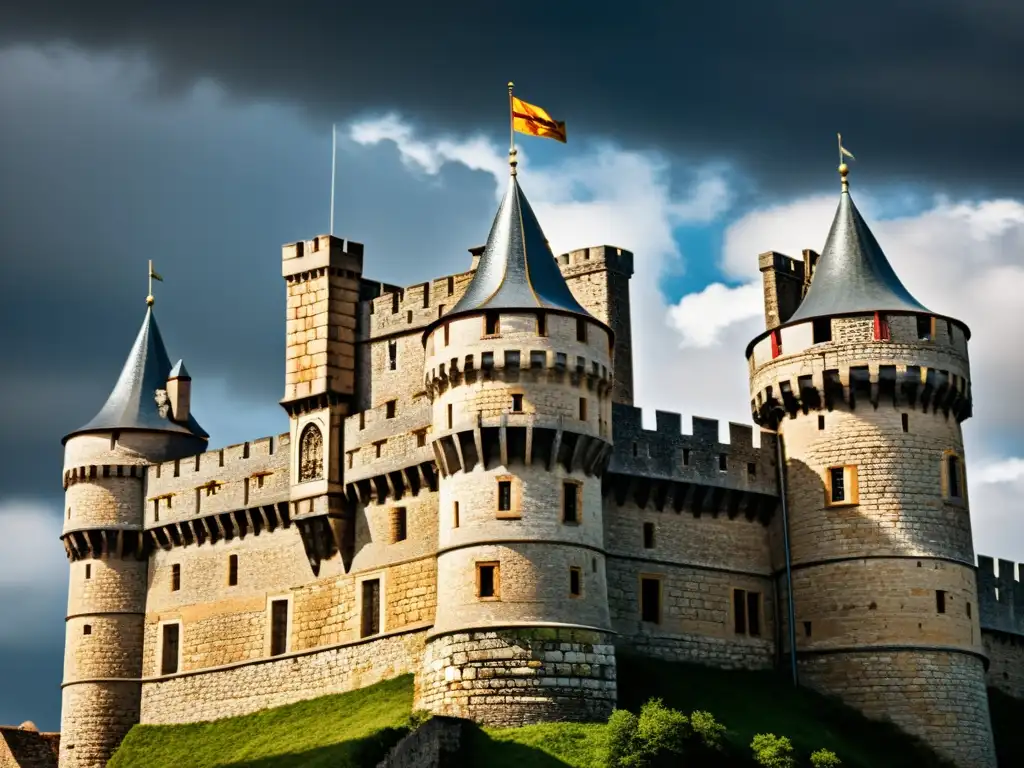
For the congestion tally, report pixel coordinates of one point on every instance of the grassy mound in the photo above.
(346, 730)
(747, 703)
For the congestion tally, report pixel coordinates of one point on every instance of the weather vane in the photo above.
(843, 167)
(152, 276)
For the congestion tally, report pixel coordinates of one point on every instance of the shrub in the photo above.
(825, 758)
(658, 737)
(773, 751)
(622, 740)
(710, 731)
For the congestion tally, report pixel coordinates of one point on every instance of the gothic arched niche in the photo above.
(311, 454)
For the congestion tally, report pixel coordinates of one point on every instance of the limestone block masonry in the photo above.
(472, 497)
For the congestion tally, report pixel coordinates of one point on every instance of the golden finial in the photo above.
(152, 276)
(512, 162)
(844, 169)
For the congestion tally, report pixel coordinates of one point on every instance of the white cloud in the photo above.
(701, 317)
(33, 570)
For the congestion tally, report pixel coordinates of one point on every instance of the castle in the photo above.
(466, 492)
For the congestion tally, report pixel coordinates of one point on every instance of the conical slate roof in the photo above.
(133, 402)
(853, 274)
(517, 269)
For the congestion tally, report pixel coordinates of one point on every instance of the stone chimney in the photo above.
(476, 252)
(179, 392)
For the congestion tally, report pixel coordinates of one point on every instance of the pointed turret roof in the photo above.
(517, 269)
(133, 402)
(853, 275)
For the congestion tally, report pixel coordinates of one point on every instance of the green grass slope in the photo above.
(747, 703)
(347, 730)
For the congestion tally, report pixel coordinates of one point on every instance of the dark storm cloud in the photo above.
(924, 90)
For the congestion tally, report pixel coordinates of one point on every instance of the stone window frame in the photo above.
(931, 329)
(379, 576)
(579, 501)
(746, 613)
(960, 500)
(268, 634)
(583, 411)
(579, 582)
(851, 486)
(159, 659)
(582, 331)
(399, 523)
(488, 315)
(660, 578)
(515, 512)
(496, 565)
(233, 569)
(514, 393)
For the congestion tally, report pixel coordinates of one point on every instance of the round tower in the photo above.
(146, 419)
(519, 378)
(867, 390)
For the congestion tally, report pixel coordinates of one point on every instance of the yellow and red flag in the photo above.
(532, 120)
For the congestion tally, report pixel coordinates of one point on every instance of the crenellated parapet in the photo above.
(595, 258)
(1001, 596)
(665, 466)
(399, 310)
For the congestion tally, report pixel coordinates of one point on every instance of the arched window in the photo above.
(311, 454)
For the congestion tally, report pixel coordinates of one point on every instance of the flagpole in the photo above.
(149, 294)
(334, 165)
(511, 130)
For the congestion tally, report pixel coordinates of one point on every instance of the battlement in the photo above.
(324, 251)
(394, 309)
(608, 256)
(1000, 596)
(699, 457)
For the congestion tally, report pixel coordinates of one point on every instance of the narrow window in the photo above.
(69, 508)
(949, 329)
(905, 418)
(175, 578)
(451, 285)
(379, 447)
(881, 327)
(581, 364)
(447, 335)
(636, 450)
(517, 403)
(440, 310)
(114, 437)
(362, 419)
(455, 514)
(581, 329)
(394, 303)
(232, 570)
(821, 422)
(426, 295)
(751, 470)
(278, 627)
(371, 608)
(807, 629)
(88, 570)
(940, 600)
(754, 614)
(822, 330)
(542, 324)
(739, 611)
(449, 415)
(398, 525)
(393, 355)
(156, 511)
(925, 328)
(351, 459)
(648, 535)
(776, 345)
(583, 409)
(487, 581)
(389, 409)
(575, 582)
(968, 610)
(650, 600)
(570, 503)
(421, 438)
(838, 478)
(169, 649)
(953, 476)
(492, 324)
(504, 495)
(593, 564)
(686, 457)
(723, 462)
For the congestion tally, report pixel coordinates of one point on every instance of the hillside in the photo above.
(356, 729)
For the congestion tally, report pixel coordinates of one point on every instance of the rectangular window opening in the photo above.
(881, 327)
(822, 330)
(581, 330)
(925, 328)
(447, 334)
(905, 419)
(87, 629)
(686, 457)
(175, 577)
(421, 438)
(570, 503)
(807, 629)
(278, 627)
(390, 407)
(751, 470)
(538, 359)
(88, 570)
(754, 614)
(370, 624)
(776, 344)
(968, 610)
(393, 355)
(940, 600)
(542, 324)
(723, 462)
(170, 643)
(575, 582)
(455, 514)
(486, 360)
(449, 415)
(650, 600)
(232, 570)
(517, 403)
(487, 581)
(837, 476)
(492, 324)
(504, 495)
(739, 611)
(583, 409)
(953, 476)
(512, 358)
(648, 535)
(821, 422)
(398, 524)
